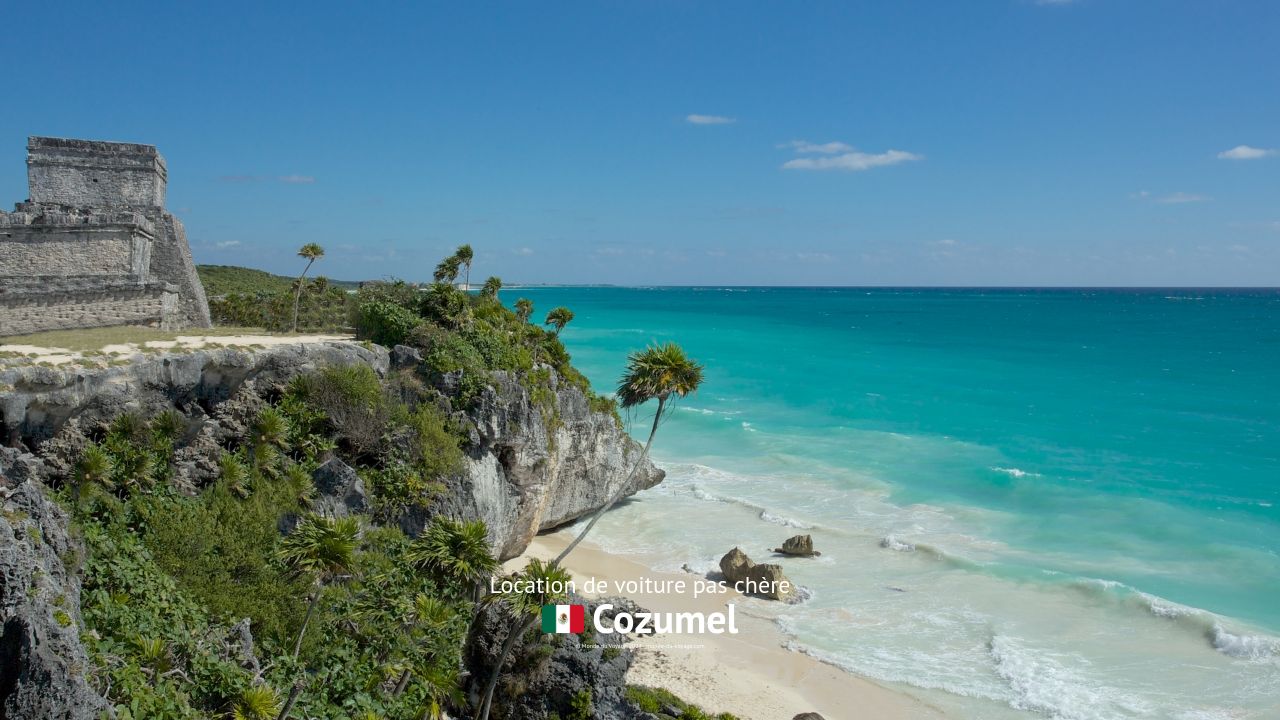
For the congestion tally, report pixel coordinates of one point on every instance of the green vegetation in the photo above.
(343, 620)
(656, 701)
(93, 340)
(350, 618)
(220, 280)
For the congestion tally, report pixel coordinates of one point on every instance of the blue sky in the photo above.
(1008, 142)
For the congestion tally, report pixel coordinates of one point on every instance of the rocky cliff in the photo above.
(537, 464)
(538, 456)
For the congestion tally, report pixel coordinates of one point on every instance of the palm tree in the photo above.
(455, 551)
(324, 548)
(558, 318)
(491, 288)
(544, 577)
(524, 309)
(311, 252)
(659, 372)
(464, 256)
(448, 269)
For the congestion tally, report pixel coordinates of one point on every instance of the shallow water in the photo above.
(1029, 502)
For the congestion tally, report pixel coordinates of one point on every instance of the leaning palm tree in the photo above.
(311, 252)
(491, 288)
(659, 372)
(524, 309)
(545, 578)
(448, 269)
(464, 256)
(323, 548)
(558, 318)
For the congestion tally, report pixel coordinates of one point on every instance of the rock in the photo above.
(42, 659)
(339, 490)
(672, 710)
(39, 401)
(808, 716)
(403, 356)
(536, 464)
(766, 580)
(553, 669)
(735, 565)
(799, 545)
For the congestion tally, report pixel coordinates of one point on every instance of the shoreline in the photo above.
(751, 674)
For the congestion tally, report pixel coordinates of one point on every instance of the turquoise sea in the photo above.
(1054, 503)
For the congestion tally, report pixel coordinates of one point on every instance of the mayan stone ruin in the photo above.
(93, 245)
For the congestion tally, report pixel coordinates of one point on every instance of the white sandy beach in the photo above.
(749, 674)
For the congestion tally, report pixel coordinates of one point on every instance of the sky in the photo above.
(984, 142)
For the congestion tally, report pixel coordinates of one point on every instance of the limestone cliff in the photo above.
(533, 463)
(537, 464)
(538, 456)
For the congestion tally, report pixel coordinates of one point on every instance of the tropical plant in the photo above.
(312, 252)
(542, 580)
(558, 318)
(257, 702)
(659, 372)
(455, 551)
(524, 309)
(448, 269)
(464, 255)
(322, 548)
(491, 287)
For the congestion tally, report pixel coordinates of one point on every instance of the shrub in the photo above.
(384, 322)
(581, 705)
(352, 401)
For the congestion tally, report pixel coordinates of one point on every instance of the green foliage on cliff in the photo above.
(468, 336)
(168, 575)
(656, 701)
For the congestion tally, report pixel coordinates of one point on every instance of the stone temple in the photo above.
(93, 245)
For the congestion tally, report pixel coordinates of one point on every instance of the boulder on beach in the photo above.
(735, 564)
(798, 545)
(767, 581)
(808, 716)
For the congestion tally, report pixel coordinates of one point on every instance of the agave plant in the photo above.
(257, 702)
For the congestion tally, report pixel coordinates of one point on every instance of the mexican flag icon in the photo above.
(562, 618)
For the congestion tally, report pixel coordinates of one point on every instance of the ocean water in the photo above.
(1053, 503)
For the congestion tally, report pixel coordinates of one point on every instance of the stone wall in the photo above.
(94, 245)
(88, 173)
(115, 246)
(151, 305)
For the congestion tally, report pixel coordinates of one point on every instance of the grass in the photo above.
(91, 339)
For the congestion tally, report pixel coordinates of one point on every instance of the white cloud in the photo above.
(709, 119)
(1244, 152)
(852, 161)
(226, 244)
(297, 179)
(524, 251)
(1179, 198)
(806, 147)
